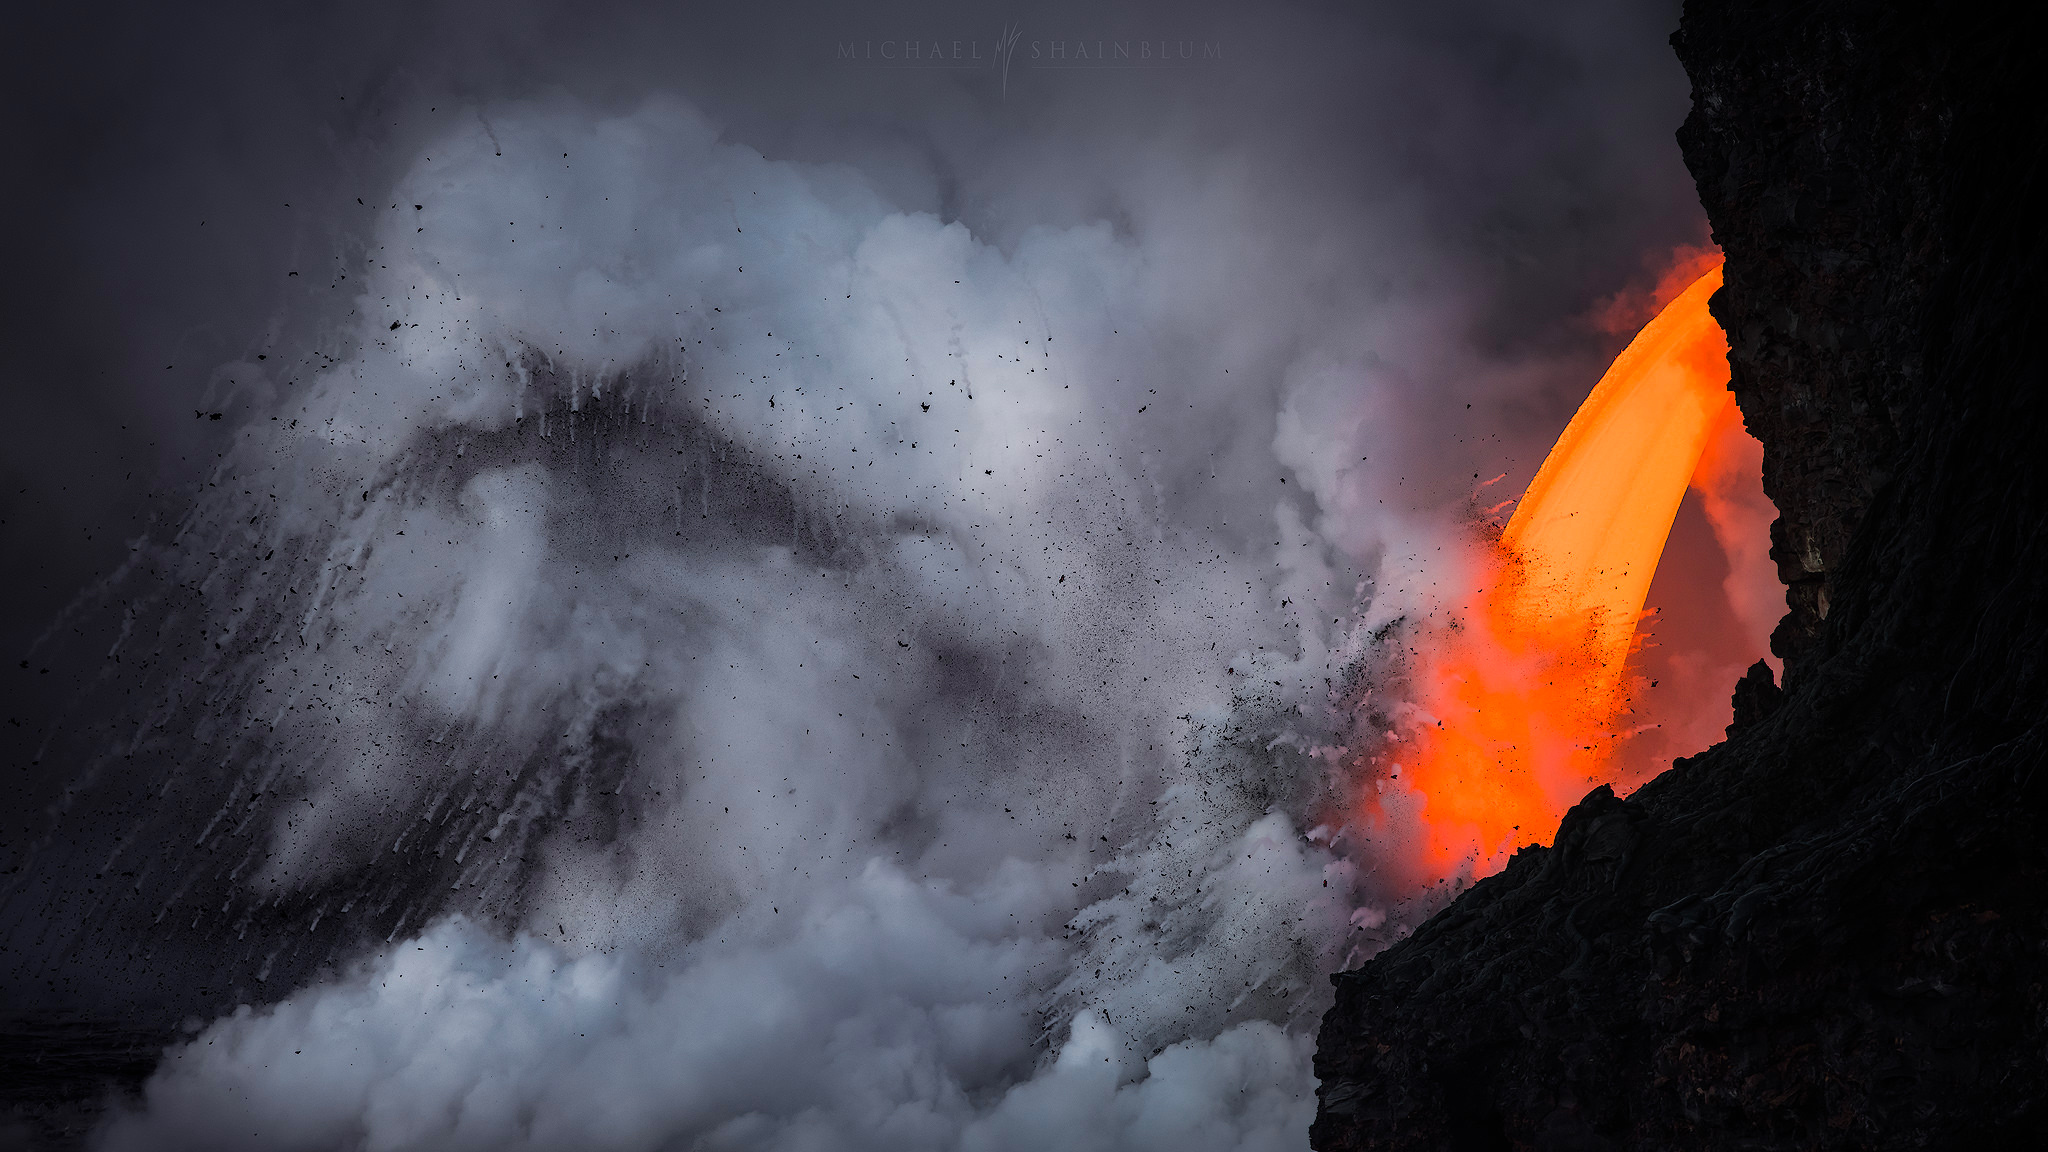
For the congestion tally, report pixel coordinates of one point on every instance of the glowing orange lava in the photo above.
(1518, 703)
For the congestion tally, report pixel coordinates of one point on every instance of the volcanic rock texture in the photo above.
(1830, 931)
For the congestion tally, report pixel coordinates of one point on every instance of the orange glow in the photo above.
(1518, 703)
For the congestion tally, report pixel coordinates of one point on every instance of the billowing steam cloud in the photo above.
(713, 650)
(825, 794)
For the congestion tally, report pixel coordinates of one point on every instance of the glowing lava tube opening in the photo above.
(1516, 705)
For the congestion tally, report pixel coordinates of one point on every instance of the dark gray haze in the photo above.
(611, 577)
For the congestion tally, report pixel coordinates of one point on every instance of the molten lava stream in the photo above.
(1520, 700)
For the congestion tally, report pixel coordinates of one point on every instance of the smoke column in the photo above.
(708, 595)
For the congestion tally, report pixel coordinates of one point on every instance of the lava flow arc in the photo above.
(1518, 703)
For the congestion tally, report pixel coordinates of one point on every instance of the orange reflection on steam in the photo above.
(1518, 703)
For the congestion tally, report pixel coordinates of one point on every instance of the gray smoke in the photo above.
(763, 629)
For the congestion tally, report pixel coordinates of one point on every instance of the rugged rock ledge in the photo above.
(1830, 931)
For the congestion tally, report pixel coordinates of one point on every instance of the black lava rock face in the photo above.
(1830, 931)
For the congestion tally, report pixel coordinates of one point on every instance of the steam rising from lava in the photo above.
(699, 631)
(708, 655)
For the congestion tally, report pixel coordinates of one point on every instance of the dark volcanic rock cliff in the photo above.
(1832, 930)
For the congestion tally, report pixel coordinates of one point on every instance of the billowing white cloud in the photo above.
(816, 827)
(896, 1014)
(850, 678)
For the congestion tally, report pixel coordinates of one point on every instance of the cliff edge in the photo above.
(1830, 931)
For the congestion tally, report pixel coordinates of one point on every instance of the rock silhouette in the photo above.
(1828, 931)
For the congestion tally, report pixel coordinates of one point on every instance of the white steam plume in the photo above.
(809, 834)
(729, 662)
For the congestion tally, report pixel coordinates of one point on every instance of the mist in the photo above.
(680, 589)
